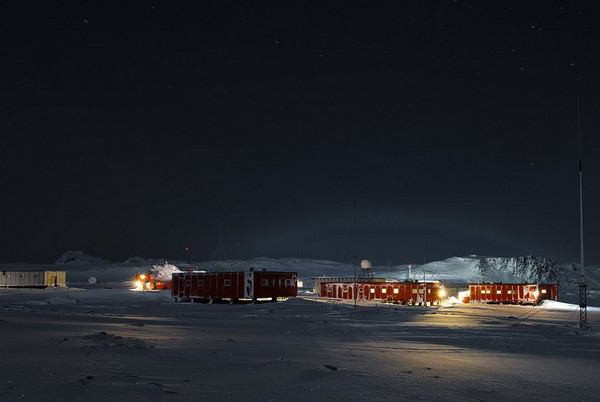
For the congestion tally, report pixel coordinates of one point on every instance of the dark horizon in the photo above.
(396, 132)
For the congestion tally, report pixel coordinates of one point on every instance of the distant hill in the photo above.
(78, 258)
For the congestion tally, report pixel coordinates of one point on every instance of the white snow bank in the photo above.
(59, 300)
(556, 305)
(450, 301)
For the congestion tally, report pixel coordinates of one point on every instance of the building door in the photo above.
(52, 281)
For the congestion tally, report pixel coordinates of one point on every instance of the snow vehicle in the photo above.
(150, 281)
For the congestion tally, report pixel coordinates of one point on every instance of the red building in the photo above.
(407, 292)
(512, 293)
(233, 286)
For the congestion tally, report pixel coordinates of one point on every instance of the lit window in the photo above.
(498, 292)
(543, 290)
(509, 292)
(396, 291)
(414, 291)
(372, 290)
(227, 282)
(383, 290)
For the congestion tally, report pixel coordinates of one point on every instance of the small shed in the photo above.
(32, 279)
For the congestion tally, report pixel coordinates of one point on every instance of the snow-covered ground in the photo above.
(101, 344)
(98, 341)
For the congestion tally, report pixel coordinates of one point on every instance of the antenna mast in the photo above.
(582, 286)
(220, 254)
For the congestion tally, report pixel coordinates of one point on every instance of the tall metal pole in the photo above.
(355, 258)
(355, 290)
(582, 286)
(424, 290)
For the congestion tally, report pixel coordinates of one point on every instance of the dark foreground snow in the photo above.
(118, 345)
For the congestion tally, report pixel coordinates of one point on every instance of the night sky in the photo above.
(401, 132)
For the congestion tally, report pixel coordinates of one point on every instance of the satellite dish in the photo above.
(366, 265)
(92, 280)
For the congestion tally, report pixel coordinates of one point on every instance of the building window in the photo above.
(227, 282)
(396, 291)
(414, 291)
(372, 290)
(383, 290)
(264, 282)
(201, 283)
(543, 291)
(498, 292)
(509, 292)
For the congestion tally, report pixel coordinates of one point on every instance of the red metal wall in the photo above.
(395, 292)
(233, 285)
(512, 292)
(275, 284)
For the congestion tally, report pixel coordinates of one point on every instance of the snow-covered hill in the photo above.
(78, 258)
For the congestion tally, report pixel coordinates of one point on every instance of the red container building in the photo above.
(512, 293)
(233, 286)
(430, 293)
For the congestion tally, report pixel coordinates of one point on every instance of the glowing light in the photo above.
(138, 285)
(142, 277)
(442, 293)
